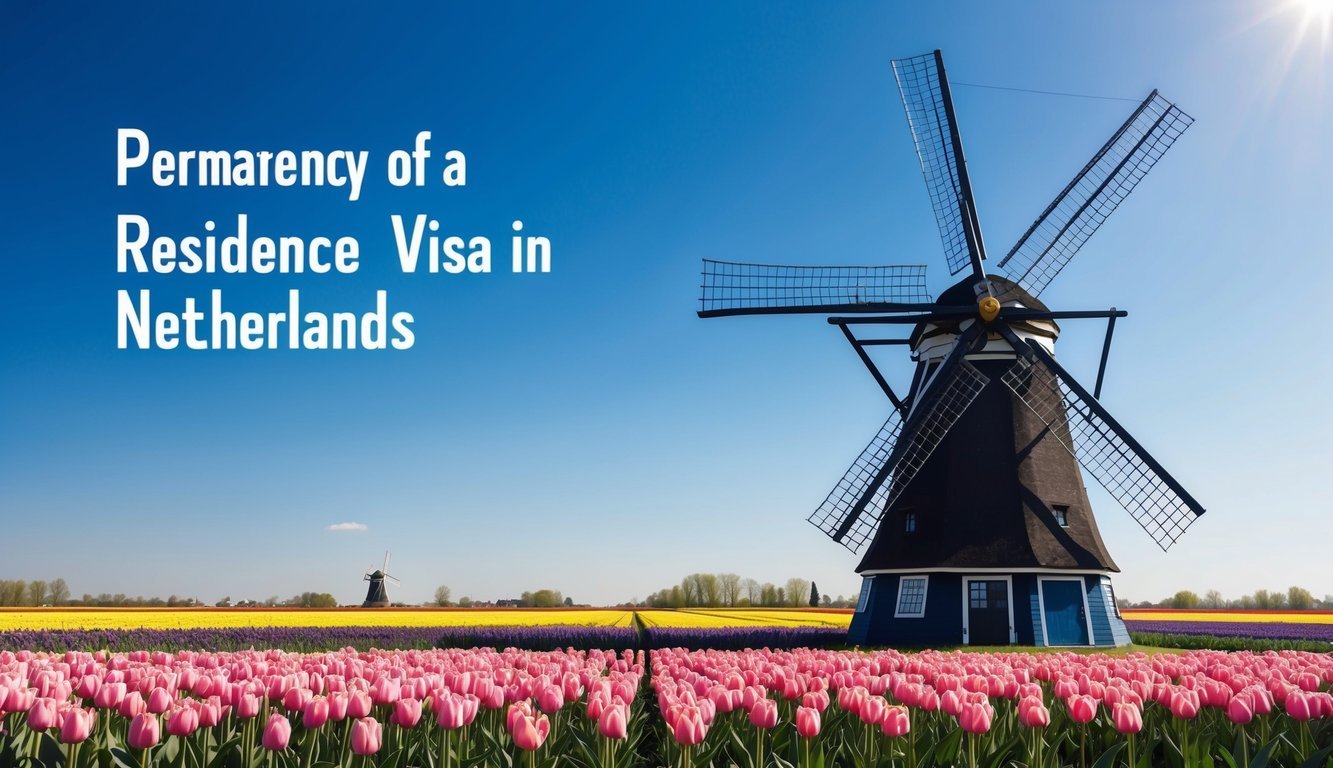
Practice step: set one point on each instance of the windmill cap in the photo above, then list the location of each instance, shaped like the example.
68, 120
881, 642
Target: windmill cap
961, 293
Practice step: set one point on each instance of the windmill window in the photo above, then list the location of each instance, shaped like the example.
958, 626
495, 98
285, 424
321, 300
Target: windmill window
909, 522
911, 597
1061, 515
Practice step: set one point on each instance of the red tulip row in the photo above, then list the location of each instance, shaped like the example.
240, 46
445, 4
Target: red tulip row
811, 707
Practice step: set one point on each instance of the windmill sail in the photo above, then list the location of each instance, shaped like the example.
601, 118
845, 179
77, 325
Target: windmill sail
1156, 501
833, 515
851, 513
1081, 207
925, 93
735, 288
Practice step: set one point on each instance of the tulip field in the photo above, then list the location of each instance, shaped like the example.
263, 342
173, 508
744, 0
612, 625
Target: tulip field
131, 688
761, 709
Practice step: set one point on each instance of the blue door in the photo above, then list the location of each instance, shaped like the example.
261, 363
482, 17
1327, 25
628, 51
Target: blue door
1062, 611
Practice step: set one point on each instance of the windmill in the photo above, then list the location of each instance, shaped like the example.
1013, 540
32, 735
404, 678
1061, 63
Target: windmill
969, 503
377, 596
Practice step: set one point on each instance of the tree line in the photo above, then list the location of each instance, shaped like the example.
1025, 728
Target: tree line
541, 598
1294, 599
20, 593
730, 590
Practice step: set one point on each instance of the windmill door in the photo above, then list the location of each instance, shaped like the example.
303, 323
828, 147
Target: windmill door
1064, 613
987, 611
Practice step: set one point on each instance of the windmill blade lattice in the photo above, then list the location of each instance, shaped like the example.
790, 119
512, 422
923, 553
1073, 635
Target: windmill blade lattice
734, 288
933, 132
852, 512
832, 515
1102, 447
1081, 207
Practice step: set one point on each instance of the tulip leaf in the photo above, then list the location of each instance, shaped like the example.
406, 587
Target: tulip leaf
1226, 754
1261, 757
1317, 759
740, 744
122, 758
588, 752
1108, 757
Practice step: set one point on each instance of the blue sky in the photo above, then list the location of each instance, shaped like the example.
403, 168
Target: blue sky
583, 430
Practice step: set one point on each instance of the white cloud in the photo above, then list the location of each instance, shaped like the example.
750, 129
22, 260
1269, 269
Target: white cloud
348, 527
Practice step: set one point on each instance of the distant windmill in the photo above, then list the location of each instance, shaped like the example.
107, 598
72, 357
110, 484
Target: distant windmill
377, 596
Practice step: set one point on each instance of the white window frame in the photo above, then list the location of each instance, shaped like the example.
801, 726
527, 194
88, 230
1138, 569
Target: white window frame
1041, 605
898, 601
1013, 633
863, 599
1056, 510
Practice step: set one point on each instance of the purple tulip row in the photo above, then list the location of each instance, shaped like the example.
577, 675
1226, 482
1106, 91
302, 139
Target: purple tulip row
1253, 629
334, 638
320, 638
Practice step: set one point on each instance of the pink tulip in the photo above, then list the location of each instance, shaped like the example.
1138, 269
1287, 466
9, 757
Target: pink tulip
295, 698
976, 717
1082, 709
816, 700
764, 714
951, 703
133, 704
550, 699
517, 711
183, 721
109, 695
144, 731
1240, 710
247, 706
366, 736
1184, 704
808, 721
1298, 706
406, 713
78, 725
88, 686
688, 728
42, 714
315, 713
896, 722
339, 701
530, 732
359, 705
613, 722
210, 711
1032, 713
873, 709
1126, 717
386, 691
277, 732
448, 710
159, 701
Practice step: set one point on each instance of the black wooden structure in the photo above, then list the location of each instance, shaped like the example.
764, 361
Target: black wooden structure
969, 503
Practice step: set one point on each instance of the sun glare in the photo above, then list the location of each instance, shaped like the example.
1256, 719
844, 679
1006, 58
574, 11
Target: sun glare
1317, 17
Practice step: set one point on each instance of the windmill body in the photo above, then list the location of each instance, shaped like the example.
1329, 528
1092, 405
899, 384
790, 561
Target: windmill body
1021, 517
969, 505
